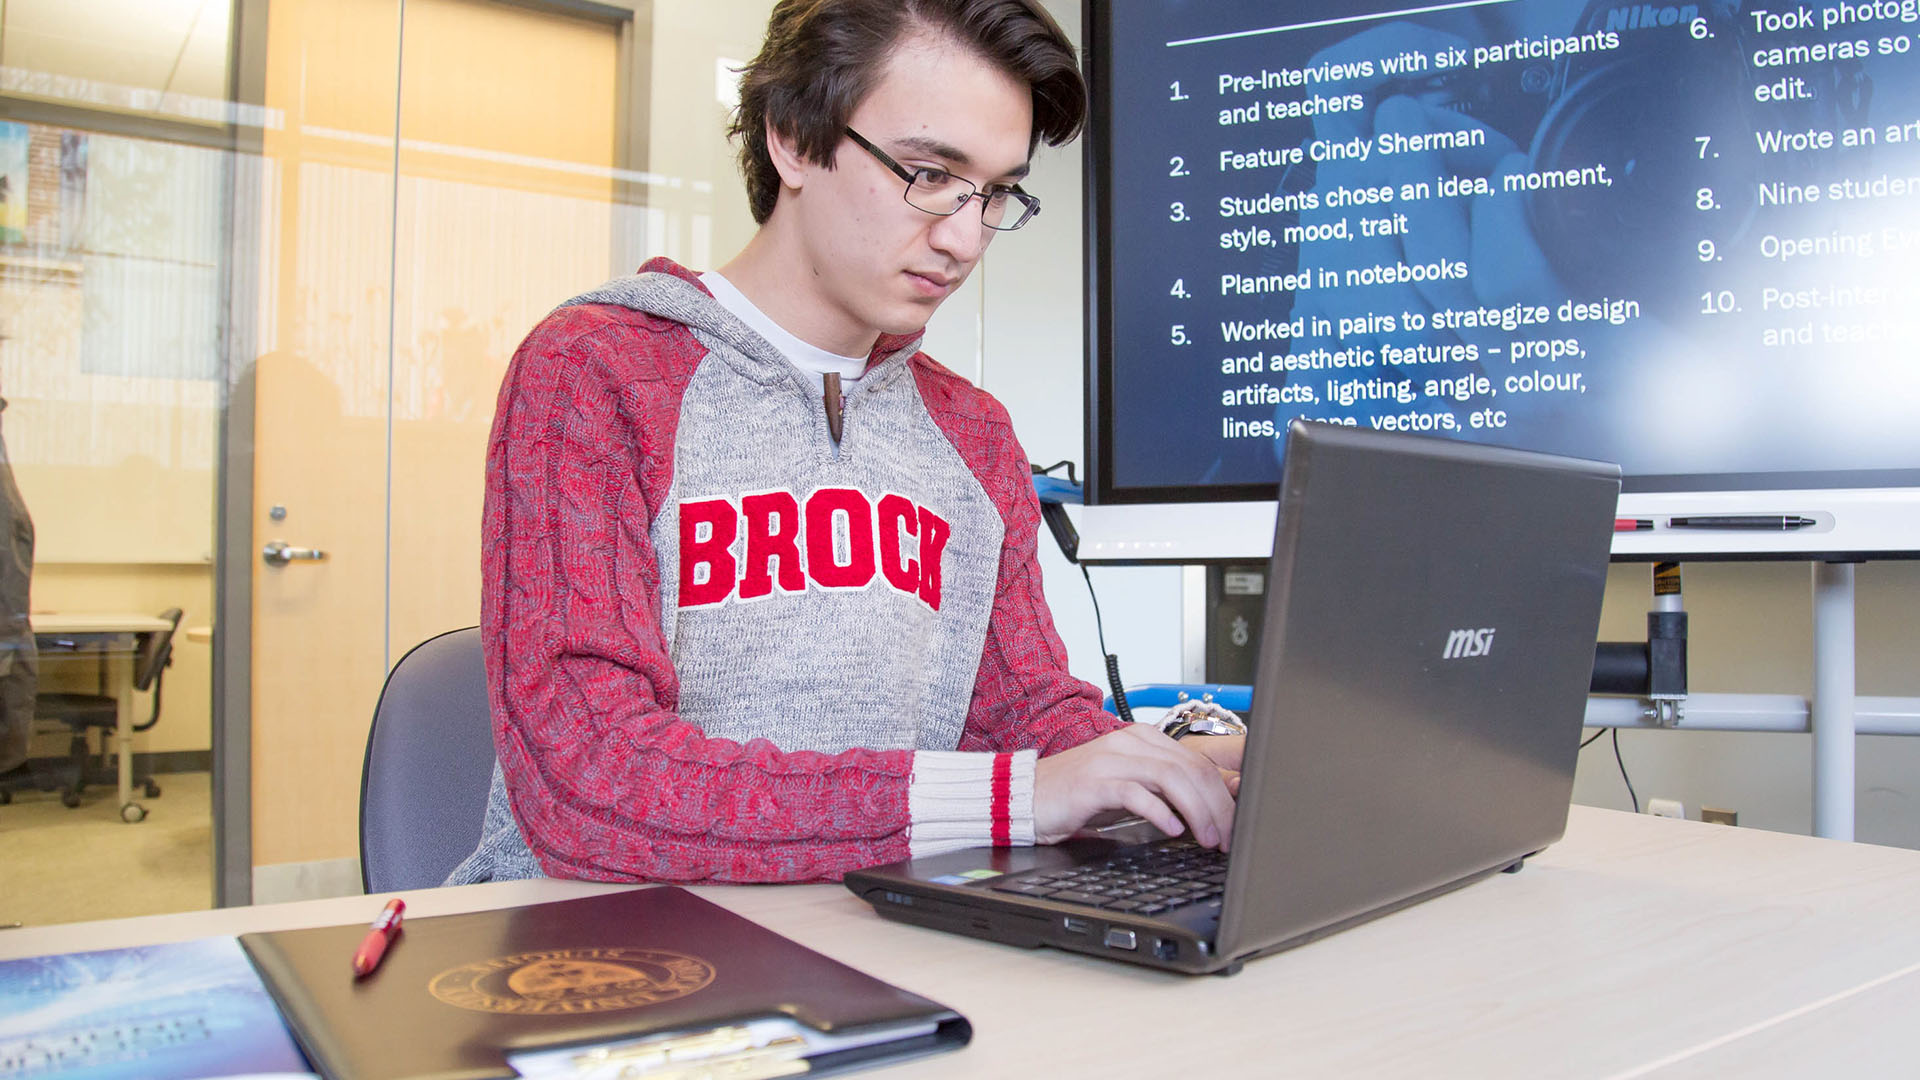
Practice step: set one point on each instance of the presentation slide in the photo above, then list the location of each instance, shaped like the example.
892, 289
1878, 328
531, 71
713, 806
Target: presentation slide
1680, 237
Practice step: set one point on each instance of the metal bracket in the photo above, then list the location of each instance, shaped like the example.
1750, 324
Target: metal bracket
1667, 712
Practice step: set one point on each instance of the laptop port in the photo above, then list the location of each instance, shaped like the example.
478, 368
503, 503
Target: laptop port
1075, 926
1166, 949
1118, 938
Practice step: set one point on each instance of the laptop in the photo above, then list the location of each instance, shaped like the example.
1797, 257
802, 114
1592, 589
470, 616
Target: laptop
1432, 612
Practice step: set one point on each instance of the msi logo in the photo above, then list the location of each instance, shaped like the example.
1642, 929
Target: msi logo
1465, 643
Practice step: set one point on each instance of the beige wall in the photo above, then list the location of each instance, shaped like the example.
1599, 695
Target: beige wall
699, 205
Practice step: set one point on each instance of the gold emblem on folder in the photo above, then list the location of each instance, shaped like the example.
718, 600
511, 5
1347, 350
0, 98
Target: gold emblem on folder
571, 981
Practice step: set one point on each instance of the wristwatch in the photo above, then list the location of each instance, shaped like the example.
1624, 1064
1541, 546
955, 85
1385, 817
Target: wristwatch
1182, 724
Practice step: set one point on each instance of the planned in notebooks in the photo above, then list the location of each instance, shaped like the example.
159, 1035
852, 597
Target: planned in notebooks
1431, 617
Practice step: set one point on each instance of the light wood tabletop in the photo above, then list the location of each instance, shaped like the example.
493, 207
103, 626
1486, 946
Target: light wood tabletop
1638, 946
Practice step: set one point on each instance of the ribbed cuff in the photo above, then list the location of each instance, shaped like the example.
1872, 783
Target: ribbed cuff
959, 800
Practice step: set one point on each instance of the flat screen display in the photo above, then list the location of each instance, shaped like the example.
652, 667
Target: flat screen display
1680, 237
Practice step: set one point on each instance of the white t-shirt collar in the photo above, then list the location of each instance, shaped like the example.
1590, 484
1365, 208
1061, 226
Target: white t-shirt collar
811, 359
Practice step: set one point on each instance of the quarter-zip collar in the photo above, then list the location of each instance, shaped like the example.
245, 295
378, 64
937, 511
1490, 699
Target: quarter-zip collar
667, 290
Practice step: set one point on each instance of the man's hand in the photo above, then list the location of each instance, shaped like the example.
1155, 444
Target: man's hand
1143, 772
1225, 752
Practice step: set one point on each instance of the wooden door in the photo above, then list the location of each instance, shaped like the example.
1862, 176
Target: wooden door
398, 271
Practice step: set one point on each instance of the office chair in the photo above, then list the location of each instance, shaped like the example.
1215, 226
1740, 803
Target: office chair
423, 786
82, 713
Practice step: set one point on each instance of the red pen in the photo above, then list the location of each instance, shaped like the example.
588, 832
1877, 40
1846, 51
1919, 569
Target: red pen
374, 946
1631, 524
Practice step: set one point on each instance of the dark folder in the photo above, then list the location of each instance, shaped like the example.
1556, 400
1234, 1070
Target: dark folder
657, 979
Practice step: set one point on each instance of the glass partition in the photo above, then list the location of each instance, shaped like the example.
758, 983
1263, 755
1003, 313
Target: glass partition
262, 265
113, 224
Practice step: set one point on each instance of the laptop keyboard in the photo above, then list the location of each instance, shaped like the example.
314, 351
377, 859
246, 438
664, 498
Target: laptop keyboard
1147, 880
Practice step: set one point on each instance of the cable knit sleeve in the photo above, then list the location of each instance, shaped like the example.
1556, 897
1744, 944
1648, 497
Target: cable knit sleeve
1023, 695
606, 781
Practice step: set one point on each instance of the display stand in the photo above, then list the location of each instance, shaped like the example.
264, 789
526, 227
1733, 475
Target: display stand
1832, 708
1835, 714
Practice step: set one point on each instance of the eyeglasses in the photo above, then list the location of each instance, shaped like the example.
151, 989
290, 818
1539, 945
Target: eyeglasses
1003, 207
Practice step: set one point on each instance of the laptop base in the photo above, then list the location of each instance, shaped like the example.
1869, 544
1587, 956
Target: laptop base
1091, 932
1432, 608
1095, 932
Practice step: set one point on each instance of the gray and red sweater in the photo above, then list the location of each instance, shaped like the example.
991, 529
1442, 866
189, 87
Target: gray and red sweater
720, 647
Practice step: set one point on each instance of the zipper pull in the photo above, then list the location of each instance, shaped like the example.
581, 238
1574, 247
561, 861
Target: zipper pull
832, 400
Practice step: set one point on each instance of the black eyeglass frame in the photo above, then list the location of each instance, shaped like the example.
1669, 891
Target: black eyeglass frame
1029, 203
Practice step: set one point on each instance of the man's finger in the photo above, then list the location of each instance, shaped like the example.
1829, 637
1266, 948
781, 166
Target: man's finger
1194, 788
1201, 794
1164, 781
1139, 800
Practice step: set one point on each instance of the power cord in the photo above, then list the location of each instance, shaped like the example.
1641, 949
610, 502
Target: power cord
1618, 760
1055, 516
1113, 662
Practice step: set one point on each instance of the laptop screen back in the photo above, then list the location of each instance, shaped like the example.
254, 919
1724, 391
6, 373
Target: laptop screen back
1429, 641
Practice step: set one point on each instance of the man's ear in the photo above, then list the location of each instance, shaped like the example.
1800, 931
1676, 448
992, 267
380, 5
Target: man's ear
787, 159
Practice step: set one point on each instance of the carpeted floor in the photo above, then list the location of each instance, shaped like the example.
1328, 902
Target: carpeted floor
60, 865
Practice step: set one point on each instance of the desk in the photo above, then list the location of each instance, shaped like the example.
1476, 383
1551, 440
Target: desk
111, 634
1638, 946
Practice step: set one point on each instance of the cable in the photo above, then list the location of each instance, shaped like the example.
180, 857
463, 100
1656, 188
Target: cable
1120, 706
1071, 479
1596, 737
1113, 662
1623, 771
1067, 544
1098, 627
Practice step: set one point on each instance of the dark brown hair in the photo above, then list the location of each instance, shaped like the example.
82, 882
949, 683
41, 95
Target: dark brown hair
822, 57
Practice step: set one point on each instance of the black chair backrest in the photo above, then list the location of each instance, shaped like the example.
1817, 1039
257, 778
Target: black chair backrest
423, 786
156, 652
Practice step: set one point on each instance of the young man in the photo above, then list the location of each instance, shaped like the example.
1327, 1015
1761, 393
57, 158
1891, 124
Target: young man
743, 627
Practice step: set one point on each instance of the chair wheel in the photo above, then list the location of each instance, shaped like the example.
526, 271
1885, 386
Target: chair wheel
69, 799
133, 812
153, 790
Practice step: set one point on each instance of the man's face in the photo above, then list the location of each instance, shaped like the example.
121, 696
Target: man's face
874, 263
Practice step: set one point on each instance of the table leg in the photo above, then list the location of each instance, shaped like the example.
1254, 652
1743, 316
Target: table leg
123, 734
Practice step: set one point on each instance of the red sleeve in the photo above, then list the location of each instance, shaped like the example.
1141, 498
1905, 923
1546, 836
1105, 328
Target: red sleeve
1023, 695
606, 781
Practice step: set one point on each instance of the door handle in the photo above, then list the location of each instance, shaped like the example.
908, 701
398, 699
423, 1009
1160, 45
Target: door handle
280, 553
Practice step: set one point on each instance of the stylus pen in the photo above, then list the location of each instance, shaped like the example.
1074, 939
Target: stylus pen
1752, 521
